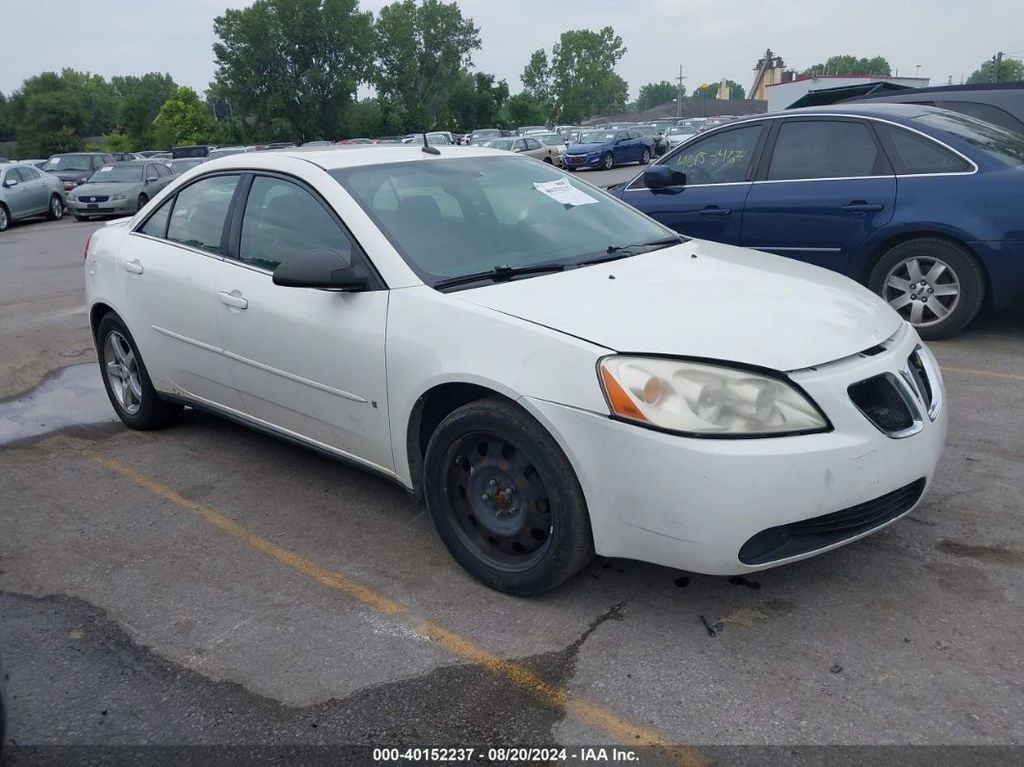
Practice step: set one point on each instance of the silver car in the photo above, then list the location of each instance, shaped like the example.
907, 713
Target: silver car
119, 189
26, 191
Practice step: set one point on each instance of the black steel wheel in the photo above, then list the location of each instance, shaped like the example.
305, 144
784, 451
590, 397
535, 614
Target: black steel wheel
505, 498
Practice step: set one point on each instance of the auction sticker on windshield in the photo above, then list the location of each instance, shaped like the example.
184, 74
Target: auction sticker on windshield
564, 192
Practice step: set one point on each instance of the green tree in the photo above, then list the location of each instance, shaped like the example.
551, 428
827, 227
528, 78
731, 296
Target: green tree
655, 94
524, 109
98, 100
845, 64
581, 74
536, 79
422, 52
1010, 70
184, 119
117, 142
292, 62
6, 122
49, 115
710, 90
476, 101
139, 102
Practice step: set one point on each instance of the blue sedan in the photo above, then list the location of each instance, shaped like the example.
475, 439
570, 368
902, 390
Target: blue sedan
608, 148
924, 206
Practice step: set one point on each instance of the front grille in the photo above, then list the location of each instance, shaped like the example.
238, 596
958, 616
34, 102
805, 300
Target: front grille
797, 538
881, 400
96, 198
921, 380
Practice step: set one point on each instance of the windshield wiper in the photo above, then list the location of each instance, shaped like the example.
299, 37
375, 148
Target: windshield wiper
615, 252
636, 247
498, 274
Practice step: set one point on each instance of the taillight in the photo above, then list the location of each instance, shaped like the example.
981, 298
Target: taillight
88, 239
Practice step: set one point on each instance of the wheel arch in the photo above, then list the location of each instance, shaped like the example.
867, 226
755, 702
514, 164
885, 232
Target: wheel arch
96, 314
875, 252
430, 408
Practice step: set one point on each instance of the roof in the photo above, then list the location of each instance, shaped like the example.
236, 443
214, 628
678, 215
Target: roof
353, 155
884, 111
861, 90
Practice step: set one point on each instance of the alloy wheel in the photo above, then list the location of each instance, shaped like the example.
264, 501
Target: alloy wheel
4, 221
122, 368
609, 161
56, 208
498, 501
923, 289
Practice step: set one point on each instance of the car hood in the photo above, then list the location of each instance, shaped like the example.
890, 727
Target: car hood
108, 189
707, 300
586, 148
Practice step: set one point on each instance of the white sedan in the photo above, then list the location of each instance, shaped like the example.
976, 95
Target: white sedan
556, 373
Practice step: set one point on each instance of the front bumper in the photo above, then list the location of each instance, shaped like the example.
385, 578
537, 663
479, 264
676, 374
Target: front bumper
692, 504
581, 161
79, 207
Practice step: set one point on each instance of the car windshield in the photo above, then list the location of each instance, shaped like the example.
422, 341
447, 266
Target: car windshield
681, 130
550, 139
67, 162
998, 142
117, 174
180, 166
463, 216
498, 143
598, 137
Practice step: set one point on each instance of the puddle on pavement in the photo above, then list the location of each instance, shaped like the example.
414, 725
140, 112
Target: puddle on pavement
73, 396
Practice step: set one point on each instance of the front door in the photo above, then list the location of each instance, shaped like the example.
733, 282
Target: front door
826, 187
710, 204
310, 362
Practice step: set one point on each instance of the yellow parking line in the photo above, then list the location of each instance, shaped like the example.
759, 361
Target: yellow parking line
983, 373
592, 714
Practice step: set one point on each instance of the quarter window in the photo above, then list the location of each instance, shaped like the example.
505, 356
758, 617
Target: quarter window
200, 212
282, 220
156, 225
723, 158
807, 149
987, 112
914, 153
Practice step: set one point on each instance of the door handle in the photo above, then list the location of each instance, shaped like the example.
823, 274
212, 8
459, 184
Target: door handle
715, 211
229, 299
863, 207
134, 266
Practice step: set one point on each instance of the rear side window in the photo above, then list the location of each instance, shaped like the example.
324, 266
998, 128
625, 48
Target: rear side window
913, 153
986, 112
282, 220
200, 211
810, 149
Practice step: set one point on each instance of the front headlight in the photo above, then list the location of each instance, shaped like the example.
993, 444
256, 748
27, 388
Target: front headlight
121, 196
705, 400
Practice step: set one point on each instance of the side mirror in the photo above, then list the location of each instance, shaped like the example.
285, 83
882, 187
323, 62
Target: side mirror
151, 179
322, 269
662, 176
11, 182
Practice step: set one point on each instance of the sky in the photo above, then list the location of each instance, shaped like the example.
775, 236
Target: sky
710, 39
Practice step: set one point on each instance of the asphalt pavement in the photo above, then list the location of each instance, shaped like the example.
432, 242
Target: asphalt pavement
210, 585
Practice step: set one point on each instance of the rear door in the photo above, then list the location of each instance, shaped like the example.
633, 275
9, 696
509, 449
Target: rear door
718, 169
823, 186
173, 265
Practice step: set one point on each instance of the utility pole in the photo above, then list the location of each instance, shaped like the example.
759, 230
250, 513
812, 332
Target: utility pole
679, 92
993, 72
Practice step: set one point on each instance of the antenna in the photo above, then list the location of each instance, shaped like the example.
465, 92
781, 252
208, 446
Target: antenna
427, 148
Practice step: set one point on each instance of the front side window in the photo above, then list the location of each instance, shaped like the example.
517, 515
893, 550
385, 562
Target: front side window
722, 158
200, 211
913, 153
462, 216
282, 220
809, 149
27, 174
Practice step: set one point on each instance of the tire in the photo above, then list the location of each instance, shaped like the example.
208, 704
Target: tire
946, 275
135, 400
142, 202
5, 218
645, 157
505, 499
548, 161
570, 168
609, 161
56, 210
81, 218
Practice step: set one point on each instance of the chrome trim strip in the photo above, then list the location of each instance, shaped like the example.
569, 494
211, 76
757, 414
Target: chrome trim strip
297, 379
931, 369
799, 250
186, 339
